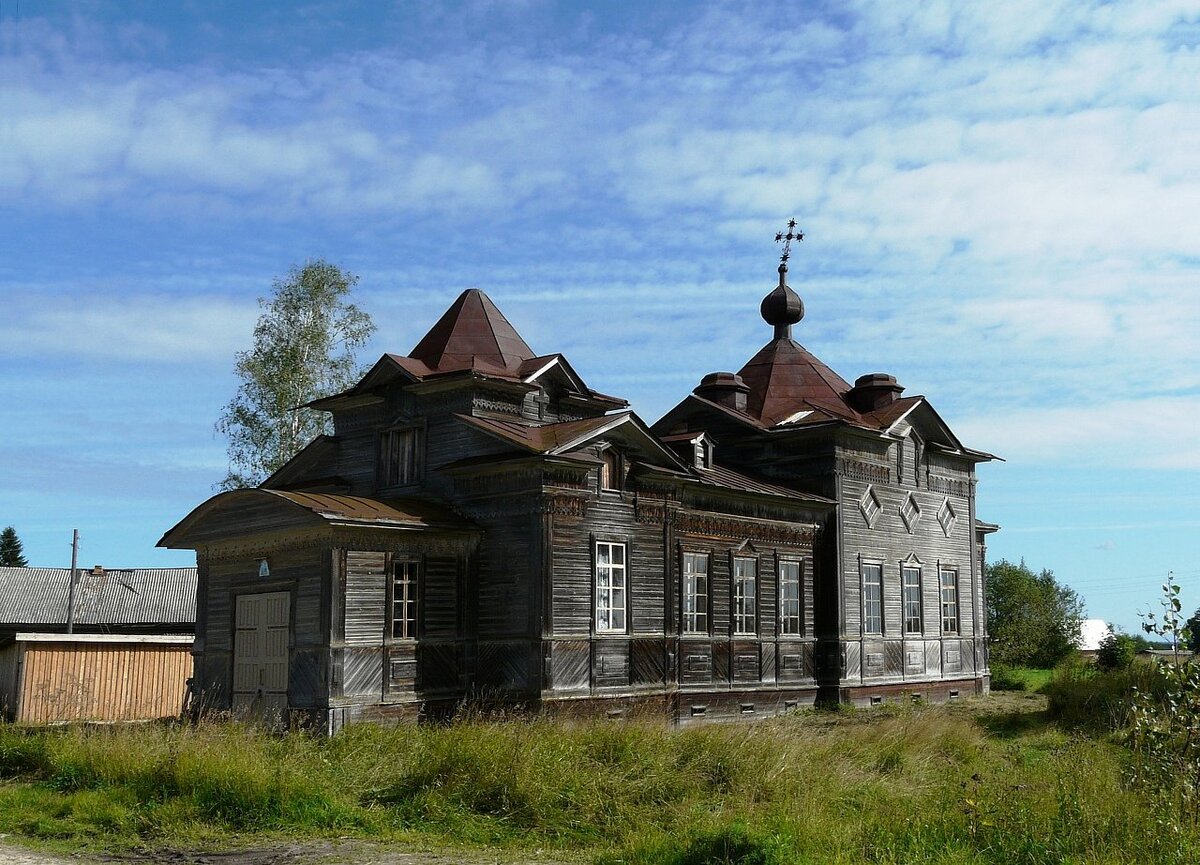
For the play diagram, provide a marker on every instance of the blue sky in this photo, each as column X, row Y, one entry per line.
column 1001, row 203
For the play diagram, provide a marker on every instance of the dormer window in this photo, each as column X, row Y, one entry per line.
column 610, row 469
column 399, row 457
column 703, row 453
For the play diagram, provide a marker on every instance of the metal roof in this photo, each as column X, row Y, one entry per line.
column 111, row 596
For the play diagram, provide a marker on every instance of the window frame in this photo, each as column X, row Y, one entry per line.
column 952, row 622
column 405, row 627
column 905, row 600
column 705, row 595
column 743, row 607
column 877, row 567
column 612, row 471
column 415, row 460
column 605, row 580
column 784, row 616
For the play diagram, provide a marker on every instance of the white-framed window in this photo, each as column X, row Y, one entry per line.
column 745, row 596
column 404, row 599
column 611, row 586
column 399, row 457
column 910, row 579
column 695, row 593
column 791, row 620
column 872, row 579
column 949, row 580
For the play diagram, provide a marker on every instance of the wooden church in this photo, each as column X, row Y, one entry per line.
column 485, row 527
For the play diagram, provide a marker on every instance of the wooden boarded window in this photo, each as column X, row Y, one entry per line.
column 399, row 457
column 949, row 601
column 790, row 619
column 872, row 577
column 911, row 579
column 745, row 596
column 695, row 593
column 610, row 470
column 610, row 587
column 404, row 600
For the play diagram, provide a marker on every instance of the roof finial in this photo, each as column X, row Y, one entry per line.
column 786, row 239
column 783, row 307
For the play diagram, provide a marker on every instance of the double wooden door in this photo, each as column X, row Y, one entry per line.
column 260, row 657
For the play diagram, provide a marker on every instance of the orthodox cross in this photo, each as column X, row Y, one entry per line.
column 786, row 239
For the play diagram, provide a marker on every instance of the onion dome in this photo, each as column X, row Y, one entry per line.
column 782, row 307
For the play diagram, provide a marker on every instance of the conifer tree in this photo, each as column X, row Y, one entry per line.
column 12, row 554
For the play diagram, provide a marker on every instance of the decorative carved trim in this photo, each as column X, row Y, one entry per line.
column 721, row 526
column 949, row 486
column 565, row 505
column 409, row 543
column 860, row 471
column 650, row 511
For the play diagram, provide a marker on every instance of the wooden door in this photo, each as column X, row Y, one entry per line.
column 260, row 657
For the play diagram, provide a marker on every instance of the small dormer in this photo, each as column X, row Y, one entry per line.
column 697, row 449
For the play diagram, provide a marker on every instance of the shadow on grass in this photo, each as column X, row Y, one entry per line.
column 1012, row 725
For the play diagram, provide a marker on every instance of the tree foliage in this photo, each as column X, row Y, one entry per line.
column 1116, row 651
column 1033, row 620
column 12, row 554
column 1193, row 631
column 304, row 348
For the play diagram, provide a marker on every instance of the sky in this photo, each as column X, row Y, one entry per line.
column 1001, row 207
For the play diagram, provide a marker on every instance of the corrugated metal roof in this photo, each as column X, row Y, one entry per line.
column 118, row 596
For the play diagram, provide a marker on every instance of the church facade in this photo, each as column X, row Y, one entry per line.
column 483, row 526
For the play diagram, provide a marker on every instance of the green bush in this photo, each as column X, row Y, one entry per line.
column 1116, row 651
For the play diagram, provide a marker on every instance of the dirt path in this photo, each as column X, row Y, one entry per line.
column 314, row 853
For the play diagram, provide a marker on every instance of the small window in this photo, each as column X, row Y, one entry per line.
column 404, row 600
column 695, row 593
column 610, row 588
column 949, row 601
column 911, row 578
column 790, row 619
column 610, row 470
column 398, row 457
column 745, row 596
column 872, row 575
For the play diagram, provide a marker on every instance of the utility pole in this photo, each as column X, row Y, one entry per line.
column 71, row 593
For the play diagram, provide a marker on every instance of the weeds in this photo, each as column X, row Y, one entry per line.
column 914, row 784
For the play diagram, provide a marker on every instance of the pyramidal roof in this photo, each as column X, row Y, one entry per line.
column 472, row 334
column 785, row 377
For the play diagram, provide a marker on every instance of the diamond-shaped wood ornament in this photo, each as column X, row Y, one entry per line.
column 870, row 507
column 947, row 517
column 910, row 512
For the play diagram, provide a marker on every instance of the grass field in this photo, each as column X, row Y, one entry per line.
column 979, row 782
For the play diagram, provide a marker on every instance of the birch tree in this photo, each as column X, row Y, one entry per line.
column 304, row 348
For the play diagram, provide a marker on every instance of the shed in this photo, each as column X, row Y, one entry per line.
column 56, row 678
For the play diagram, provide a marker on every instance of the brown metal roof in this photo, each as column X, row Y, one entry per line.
column 729, row 479
column 544, row 438
column 784, row 377
column 143, row 597
column 359, row 509
column 471, row 334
